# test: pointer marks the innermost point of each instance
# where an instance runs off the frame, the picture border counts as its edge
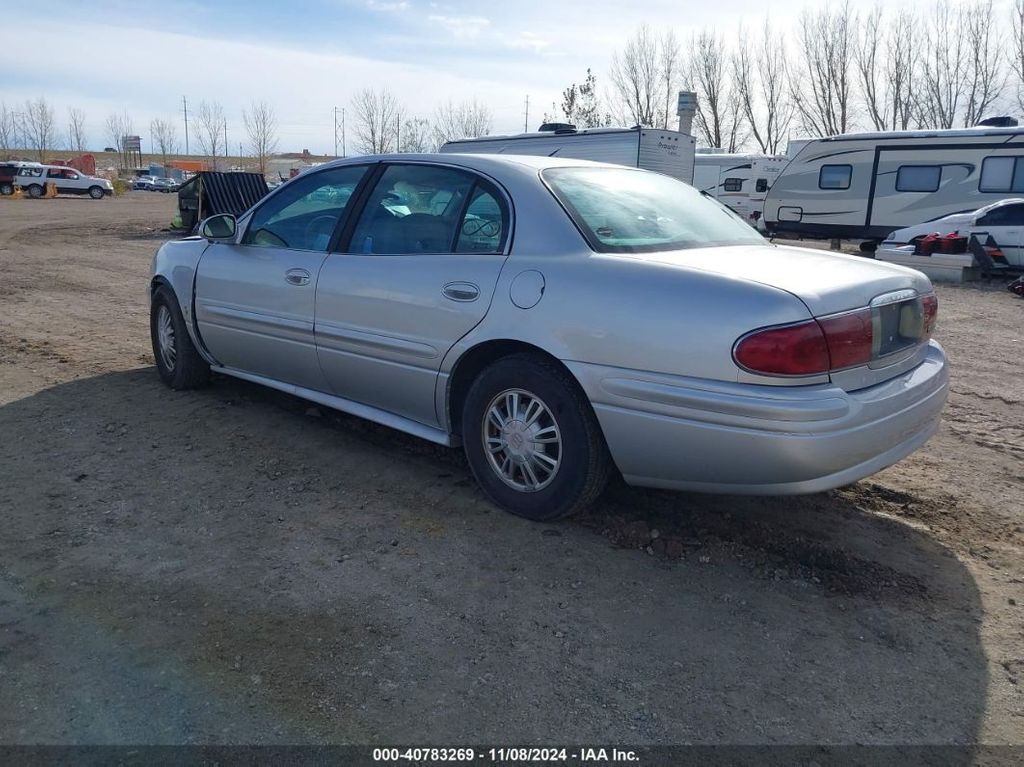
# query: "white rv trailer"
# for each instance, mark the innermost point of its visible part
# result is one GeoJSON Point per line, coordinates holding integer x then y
{"type": "Point", "coordinates": [865, 185]}
{"type": "Point", "coordinates": [739, 181]}
{"type": "Point", "coordinates": [665, 151]}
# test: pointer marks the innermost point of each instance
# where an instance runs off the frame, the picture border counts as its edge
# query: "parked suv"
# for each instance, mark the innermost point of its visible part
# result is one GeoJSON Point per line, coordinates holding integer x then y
{"type": "Point", "coordinates": [34, 178]}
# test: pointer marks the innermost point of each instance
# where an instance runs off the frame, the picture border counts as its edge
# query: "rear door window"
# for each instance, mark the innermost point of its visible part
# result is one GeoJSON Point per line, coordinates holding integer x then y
{"type": "Point", "coordinates": [835, 176]}
{"type": "Point", "coordinates": [484, 224]}
{"type": "Point", "coordinates": [419, 209]}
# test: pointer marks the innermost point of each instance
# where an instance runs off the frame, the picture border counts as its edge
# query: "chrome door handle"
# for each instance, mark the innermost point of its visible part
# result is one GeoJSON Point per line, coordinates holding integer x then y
{"type": "Point", "coordinates": [461, 291]}
{"type": "Point", "coordinates": [296, 277]}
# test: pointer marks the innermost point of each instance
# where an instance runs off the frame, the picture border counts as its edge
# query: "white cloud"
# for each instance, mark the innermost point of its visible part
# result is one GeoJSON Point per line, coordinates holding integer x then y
{"type": "Point", "coordinates": [387, 7]}
{"type": "Point", "coordinates": [527, 41]}
{"type": "Point", "coordinates": [461, 26]}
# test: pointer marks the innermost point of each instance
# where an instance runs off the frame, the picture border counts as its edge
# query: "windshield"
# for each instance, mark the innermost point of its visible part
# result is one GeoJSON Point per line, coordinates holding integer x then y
{"type": "Point", "coordinates": [620, 210]}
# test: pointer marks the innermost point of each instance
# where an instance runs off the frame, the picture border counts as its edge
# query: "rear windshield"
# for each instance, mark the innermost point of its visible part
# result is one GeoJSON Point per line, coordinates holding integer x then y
{"type": "Point", "coordinates": [620, 210]}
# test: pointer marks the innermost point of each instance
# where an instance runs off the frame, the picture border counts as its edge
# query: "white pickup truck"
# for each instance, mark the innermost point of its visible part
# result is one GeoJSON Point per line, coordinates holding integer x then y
{"type": "Point", "coordinates": [34, 178]}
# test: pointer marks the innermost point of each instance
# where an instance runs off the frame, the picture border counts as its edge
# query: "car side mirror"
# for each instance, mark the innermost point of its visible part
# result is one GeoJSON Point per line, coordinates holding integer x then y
{"type": "Point", "coordinates": [219, 228]}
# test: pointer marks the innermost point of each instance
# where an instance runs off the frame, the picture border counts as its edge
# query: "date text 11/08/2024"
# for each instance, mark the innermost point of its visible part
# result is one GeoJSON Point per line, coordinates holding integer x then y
{"type": "Point", "coordinates": [504, 754]}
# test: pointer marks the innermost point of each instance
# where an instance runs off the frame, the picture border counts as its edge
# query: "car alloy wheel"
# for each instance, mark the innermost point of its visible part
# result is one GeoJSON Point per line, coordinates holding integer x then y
{"type": "Point", "coordinates": [165, 337]}
{"type": "Point", "coordinates": [522, 440]}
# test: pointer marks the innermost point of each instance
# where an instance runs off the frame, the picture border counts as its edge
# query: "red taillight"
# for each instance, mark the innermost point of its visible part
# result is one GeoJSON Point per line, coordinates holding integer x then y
{"type": "Point", "coordinates": [810, 348]}
{"type": "Point", "coordinates": [794, 350]}
{"type": "Point", "coordinates": [832, 343]}
{"type": "Point", "coordinates": [930, 311]}
{"type": "Point", "coordinates": [849, 338]}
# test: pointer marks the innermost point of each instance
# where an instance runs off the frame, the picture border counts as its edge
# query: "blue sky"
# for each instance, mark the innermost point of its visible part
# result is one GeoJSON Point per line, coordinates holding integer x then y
{"type": "Point", "coordinates": [307, 56]}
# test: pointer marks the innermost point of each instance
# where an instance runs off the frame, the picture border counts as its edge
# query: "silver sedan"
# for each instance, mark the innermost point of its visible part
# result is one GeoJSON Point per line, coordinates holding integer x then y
{"type": "Point", "coordinates": [560, 320]}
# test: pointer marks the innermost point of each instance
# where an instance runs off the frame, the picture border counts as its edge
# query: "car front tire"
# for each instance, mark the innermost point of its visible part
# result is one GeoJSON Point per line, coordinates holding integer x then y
{"type": "Point", "coordinates": [532, 440]}
{"type": "Point", "coordinates": [179, 364]}
{"type": "Point", "coordinates": [96, 192]}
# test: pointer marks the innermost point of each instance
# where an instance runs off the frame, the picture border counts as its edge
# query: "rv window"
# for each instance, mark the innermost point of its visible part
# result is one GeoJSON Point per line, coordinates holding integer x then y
{"type": "Point", "coordinates": [733, 184]}
{"type": "Point", "coordinates": [918, 178]}
{"type": "Point", "coordinates": [835, 176]}
{"type": "Point", "coordinates": [1002, 174]}
{"type": "Point", "coordinates": [762, 185]}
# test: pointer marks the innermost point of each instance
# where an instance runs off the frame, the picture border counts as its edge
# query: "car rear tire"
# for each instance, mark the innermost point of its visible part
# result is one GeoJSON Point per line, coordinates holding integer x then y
{"type": "Point", "coordinates": [532, 440]}
{"type": "Point", "coordinates": [6, 189]}
{"type": "Point", "coordinates": [34, 191]}
{"type": "Point", "coordinates": [96, 192]}
{"type": "Point", "coordinates": [177, 360]}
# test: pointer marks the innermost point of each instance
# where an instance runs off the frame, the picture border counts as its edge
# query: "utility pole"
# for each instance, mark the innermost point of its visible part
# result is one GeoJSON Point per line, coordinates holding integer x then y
{"type": "Point", "coordinates": [343, 152]}
{"type": "Point", "coordinates": [335, 133]}
{"type": "Point", "coordinates": [526, 119]}
{"type": "Point", "coordinates": [226, 150]}
{"type": "Point", "coordinates": [184, 104]}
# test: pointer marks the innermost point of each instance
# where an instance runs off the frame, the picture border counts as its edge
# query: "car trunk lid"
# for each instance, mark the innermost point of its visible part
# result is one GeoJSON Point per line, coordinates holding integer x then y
{"type": "Point", "coordinates": [832, 285]}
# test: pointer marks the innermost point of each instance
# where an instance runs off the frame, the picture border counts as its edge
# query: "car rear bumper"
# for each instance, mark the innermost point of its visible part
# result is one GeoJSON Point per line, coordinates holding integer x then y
{"type": "Point", "coordinates": [690, 434]}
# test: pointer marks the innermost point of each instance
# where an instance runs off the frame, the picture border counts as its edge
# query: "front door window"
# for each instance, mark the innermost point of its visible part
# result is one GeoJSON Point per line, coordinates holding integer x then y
{"type": "Point", "coordinates": [304, 214]}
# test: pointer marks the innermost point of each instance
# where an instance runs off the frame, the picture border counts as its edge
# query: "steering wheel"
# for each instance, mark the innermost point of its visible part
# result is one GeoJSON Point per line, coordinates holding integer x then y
{"type": "Point", "coordinates": [322, 225]}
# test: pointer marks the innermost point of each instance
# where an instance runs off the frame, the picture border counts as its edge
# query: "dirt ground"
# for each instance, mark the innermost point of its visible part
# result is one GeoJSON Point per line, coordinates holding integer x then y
{"type": "Point", "coordinates": [233, 566]}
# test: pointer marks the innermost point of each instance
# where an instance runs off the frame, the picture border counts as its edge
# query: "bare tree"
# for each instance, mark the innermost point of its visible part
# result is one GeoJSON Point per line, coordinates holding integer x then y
{"type": "Point", "coordinates": [119, 126]}
{"type": "Point", "coordinates": [986, 78]}
{"type": "Point", "coordinates": [9, 138]}
{"type": "Point", "coordinates": [165, 138]}
{"type": "Point", "coordinates": [210, 131]}
{"type": "Point", "coordinates": [760, 77]}
{"type": "Point", "coordinates": [261, 127]}
{"type": "Point", "coordinates": [708, 75]}
{"type": "Point", "coordinates": [76, 130]}
{"type": "Point", "coordinates": [870, 48]}
{"type": "Point", "coordinates": [375, 115]}
{"type": "Point", "coordinates": [669, 62]}
{"type": "Point", "coordinates": [416, 135]}
{"type": "Point", "coordinates": [467, 119]}
{"type": "Point", "coordinates": [1017, 55]}
{"type": "Point", "coordinates": [901, 67]}
{"type": "Point", "coordinates": [944, 68]}
{"type": "Point", "coordinates": [40, 126]}
{"type": "Point", "coordinates": [636, 79]}
{"type": "Point", "coordinates": [822, 81]}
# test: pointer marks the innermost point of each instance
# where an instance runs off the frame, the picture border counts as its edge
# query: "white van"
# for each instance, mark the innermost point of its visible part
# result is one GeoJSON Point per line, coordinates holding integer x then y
{"type": "Point", "coordinates": [665, 151]}
{"type": "Point", "coordinates": [34, 178]}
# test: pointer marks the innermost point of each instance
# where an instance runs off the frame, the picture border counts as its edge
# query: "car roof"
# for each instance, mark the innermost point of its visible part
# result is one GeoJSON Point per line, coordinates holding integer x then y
{"type": "Point", "coordinates": [1000, 203]}
{"type": "Point", "coordinates": [492, 164]}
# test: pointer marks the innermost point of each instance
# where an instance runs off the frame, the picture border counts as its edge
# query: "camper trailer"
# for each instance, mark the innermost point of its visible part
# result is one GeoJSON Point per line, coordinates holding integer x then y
{"type": "Point", "coordinates": [665, 151]}
{"type": "Point", "coordinates": [739, 181]}
{"type": "Point", "coordinates": [863, 186]}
